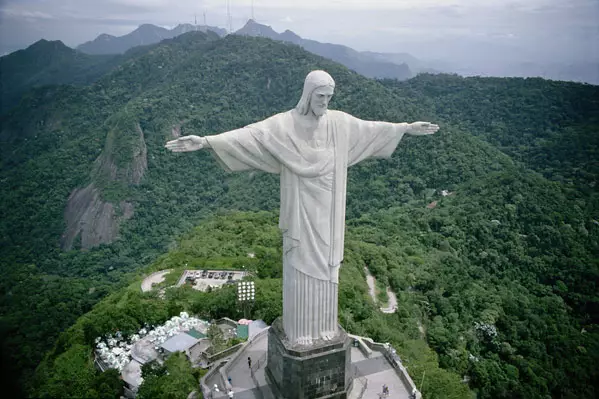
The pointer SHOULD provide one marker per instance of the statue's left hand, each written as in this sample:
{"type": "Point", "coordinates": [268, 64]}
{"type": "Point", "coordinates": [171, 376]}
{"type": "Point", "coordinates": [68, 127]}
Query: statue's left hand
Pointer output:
{"type": "Point", "coordinates": [187, 143]}
{"type": "Point", "coordinates": [422, 128]}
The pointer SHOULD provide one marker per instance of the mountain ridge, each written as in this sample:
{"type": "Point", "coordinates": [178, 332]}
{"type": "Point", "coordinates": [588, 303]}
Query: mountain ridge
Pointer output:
{"type": "Point", "coordinates": [144, 34]}
{"type": "Point", "coordinates": [361, 62]}
{"type": "Point", "coordinates": [368, 64]}
{"type": "Point", "coordinates": [47, 62]}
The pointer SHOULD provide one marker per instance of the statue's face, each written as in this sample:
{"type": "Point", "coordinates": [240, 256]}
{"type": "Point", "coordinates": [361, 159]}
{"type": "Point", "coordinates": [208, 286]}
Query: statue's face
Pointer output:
{"type": "Point", "coordinates": [319, 100]}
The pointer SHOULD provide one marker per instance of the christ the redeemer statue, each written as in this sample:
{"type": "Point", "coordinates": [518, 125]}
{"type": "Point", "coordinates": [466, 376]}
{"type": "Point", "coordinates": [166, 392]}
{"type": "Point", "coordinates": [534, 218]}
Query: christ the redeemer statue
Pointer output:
{"type": "Point", "coordinates": [311, 148]}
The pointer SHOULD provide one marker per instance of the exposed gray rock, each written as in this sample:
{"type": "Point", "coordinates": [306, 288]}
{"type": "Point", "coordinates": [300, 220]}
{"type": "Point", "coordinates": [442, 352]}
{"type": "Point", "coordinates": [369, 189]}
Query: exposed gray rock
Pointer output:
{"type": "Point", "coordinates": [91, 220]}
{"type": "Point", "coordinates": [140, 159]}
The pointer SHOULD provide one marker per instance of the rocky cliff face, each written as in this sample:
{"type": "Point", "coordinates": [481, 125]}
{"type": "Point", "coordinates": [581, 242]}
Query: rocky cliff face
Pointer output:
{"type": "Point", "coordinates": [139, 165]}
{"type": "Point", "coordinates": [92, 219]}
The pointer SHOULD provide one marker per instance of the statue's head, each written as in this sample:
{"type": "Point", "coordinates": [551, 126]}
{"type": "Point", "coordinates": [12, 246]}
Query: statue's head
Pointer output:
{"type": "Point", "coordinates": [318, 90]}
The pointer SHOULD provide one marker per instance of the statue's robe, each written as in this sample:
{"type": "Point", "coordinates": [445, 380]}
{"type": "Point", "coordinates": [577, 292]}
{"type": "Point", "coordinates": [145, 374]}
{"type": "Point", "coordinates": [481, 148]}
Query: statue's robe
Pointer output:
{"type": "Point", "coordinates": [313, 188]}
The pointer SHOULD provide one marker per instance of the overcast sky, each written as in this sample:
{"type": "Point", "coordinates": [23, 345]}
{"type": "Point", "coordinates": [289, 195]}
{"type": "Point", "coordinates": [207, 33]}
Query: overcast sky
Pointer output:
{"type": "Point", "coordinates": [495, 30]}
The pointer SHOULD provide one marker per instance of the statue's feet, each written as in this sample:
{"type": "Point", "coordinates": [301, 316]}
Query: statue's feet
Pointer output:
{"type": "Point", "coordinates": [304, 341]}
{"type": "Point", "coordinates": [327, 335]}
{"type": "Point", "coordinates": [307, 341]}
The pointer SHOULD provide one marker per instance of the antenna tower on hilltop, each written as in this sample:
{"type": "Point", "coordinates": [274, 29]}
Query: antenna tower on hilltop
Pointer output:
{"type": "Point", "coordinates": [229, 19]}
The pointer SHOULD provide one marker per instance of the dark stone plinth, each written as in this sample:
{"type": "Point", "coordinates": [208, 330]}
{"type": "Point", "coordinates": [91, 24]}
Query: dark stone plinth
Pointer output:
{"type": "Point", "coordinates": [321, 370]}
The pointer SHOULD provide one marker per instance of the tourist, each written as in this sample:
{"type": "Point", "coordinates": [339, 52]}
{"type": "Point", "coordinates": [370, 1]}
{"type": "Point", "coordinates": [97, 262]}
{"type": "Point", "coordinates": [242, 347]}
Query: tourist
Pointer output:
{"type": "Point", "coordinates": [385, 390]}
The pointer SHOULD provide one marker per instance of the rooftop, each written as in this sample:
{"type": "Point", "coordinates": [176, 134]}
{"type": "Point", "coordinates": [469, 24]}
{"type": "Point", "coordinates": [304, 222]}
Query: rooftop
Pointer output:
{"type": "Point", "coordinates": [143, 351]}
{"type": "Point", "coordinates": [132, 373]}
{"type": "Point", "coordinates": [195, 333]}
{"type": "Point", "coordinates": [179, 343]}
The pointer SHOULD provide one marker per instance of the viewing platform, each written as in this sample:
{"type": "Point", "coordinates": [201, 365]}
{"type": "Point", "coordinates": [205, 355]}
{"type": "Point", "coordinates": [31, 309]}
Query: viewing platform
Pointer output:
{"type": "Point", "coordinates": [373, 365]}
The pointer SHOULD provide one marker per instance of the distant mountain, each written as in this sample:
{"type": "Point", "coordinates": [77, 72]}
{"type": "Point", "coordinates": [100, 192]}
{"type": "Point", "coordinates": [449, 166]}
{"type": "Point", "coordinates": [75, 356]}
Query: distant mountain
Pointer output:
{"type": "Point", "coordinates": [416, 65]}
{"type": "Point", "coordinates": [253, 28]}
{"type": "Point", "coordinates": [577, 72]}
{"type": "Point", "coordinates": [47, 62]}
{"type": "Point", "coordinates": [364, 63]}
{"type": "Point", "coordinates": [145, 34]}
{"type": "Point", "coordinates": [396, 58]}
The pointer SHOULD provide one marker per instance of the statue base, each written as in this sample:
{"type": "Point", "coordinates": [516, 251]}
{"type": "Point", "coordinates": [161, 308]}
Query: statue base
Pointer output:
{"type": "Point", "coordinates": [317, 371]}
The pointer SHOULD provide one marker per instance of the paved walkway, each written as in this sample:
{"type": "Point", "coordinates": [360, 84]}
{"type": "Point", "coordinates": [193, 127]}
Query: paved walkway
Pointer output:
{"type": "Point", "coordinates": [239, 372]}
{"type": "Point", "coordinates": [375, 370]}
{"type": "Point", "coordinates": [264, 388]}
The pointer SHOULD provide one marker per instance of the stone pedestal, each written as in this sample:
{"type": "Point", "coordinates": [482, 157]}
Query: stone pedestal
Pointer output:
{"type": "Point", "coordinates": [317, 371]}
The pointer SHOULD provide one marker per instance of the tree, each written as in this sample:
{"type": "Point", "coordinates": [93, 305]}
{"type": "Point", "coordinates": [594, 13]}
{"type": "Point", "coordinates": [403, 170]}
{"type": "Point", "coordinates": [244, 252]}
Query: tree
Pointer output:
{"type": "Point", "coordinates": [72, 376]}
{"type": "Point", "coordinates": [175, 381]}
{"type": "Point", "coordinates": [217, 338]}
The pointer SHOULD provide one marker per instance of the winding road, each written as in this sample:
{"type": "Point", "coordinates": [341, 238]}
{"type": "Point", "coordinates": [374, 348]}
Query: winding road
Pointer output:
{"type": "Point", "coordinates": [392, 304]}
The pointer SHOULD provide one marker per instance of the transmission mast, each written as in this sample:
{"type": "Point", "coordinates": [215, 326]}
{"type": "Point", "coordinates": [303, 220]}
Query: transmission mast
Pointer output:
{"type": "Point", "coordinates": [229, 20]}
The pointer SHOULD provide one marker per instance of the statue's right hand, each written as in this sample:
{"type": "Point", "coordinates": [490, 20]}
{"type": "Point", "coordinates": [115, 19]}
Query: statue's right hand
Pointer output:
{"type": "Point", "coordinates": [187, 143]}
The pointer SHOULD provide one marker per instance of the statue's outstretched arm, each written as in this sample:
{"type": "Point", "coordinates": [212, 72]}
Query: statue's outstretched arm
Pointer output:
{"type": "Point", "coordinates": [421, 128]}
{"type": "Point", "coordinates": [235, 150]}
{"type": "Point", "coordinates": [377, 139]}
{"type": "Point", "coordinates": [187, 144]}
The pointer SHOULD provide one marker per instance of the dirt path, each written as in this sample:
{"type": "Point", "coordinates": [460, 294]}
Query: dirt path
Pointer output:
{"type": "Point", "coordinates": [421, 329]}
{"type": "Point", "coordinates": [154, 278]}
{"type": "Point", "coordinates": [392, 304]}
{"type": "Point", "coordinates": [371, 284]}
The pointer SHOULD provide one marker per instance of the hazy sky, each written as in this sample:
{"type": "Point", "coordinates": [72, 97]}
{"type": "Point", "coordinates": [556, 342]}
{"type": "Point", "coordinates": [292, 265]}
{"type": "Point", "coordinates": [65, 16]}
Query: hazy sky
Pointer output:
{"type": "Point", "coordinates": [471, 30]}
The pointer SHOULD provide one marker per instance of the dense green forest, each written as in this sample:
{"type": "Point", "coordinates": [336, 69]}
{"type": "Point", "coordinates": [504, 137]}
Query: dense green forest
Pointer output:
{"type": "Point", "coordinates": [548, 126]}
{"type": "Point", "coordinates": [228, 239]}
{"type": "Point", "coordinates": [48, 62]}
{"type": "Point", "coordinates": [502, 275]}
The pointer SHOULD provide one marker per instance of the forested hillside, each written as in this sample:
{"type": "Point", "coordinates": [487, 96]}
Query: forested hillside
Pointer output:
{"type": "Point", "coordinates": [52, 63]}
{"type": "Point", "coordinates": [549, 126]}
{"type": "Point", "coordinates": [501, 275]}
{"type": "Point", "coordinates": [47, 62]}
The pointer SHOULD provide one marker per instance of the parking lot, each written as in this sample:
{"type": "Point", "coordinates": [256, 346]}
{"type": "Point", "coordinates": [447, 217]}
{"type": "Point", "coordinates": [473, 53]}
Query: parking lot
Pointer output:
{"type": "Point", "coordinates": [202, 279]}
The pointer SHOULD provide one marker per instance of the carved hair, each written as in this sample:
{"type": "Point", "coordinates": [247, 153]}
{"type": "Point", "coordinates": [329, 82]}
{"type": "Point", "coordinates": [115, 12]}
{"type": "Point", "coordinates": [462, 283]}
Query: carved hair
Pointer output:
{"type": "Point", "coordinates": [314, 80]}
